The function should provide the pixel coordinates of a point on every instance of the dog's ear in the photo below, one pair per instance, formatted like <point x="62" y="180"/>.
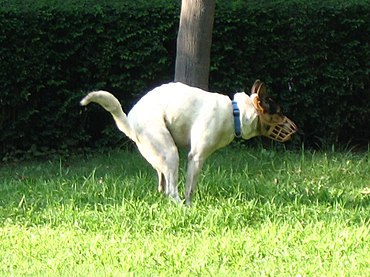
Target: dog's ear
<point x="256" y="86"/>
<point x="263" y="100"/>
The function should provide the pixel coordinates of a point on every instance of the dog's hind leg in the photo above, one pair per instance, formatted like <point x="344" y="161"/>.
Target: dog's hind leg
<point x="161" y="182"/>
<point x="161" y="152"/>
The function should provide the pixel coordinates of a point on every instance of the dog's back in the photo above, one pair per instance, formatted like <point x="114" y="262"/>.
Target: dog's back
<point x="179" y="108"/>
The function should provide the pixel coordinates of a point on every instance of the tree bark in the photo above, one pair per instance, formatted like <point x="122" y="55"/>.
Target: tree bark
<point x="194" y="41"/>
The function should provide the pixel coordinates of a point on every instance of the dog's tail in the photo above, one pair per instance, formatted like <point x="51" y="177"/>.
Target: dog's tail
<point x="112" y="105"/>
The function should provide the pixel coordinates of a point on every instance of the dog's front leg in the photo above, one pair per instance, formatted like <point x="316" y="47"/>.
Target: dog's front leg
<point x="195" y="164"/>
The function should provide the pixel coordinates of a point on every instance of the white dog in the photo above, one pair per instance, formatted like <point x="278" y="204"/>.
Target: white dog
<point x="176" y="114"/>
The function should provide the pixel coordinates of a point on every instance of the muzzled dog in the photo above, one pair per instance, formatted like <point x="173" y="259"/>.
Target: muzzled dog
<point x="176" y="114"/>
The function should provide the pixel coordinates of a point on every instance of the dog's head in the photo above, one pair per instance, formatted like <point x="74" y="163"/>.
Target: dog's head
<point x="273" y="124"/>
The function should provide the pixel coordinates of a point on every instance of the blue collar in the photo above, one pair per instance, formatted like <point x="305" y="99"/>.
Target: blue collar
<point x="236" y="113"/>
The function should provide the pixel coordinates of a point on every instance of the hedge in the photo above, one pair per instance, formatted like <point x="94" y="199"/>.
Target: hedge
<point x="54" y="54"/>
<point x="313" y="56"/>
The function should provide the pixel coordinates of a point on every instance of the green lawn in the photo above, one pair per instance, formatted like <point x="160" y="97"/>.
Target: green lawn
<point x="256" y="213"/>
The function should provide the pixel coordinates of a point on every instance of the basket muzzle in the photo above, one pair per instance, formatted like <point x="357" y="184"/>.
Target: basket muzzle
<point x="281" y="131"/>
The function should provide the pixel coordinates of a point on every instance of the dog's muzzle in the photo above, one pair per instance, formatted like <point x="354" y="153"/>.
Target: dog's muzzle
<point x="281" y="131"/>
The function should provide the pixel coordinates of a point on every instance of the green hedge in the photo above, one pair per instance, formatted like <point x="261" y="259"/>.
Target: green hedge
<point x="54" y="54"/>
<point x="314" y="57"/>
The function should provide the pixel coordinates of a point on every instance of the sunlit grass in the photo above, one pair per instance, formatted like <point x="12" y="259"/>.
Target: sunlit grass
<point x="256" y="213"/>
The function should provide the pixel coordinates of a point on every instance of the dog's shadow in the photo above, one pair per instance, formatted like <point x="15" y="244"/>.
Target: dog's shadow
<point x="275" y="177"/>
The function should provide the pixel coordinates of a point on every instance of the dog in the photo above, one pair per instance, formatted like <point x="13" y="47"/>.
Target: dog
<point x="176" y="115"/>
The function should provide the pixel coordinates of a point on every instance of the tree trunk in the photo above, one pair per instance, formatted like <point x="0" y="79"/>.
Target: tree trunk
<point x="194" y="41"/>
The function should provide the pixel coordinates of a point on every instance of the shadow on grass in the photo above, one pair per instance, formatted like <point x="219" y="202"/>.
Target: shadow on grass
<point x="250" y="177"/>
<point x="289" y="177"/>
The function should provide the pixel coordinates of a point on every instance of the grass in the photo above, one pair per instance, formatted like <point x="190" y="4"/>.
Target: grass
<point x="256" y="213"/>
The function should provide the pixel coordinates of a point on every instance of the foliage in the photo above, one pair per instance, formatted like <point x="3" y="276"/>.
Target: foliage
<point x="314" y="56"/>
<point x="256" y="212"/>
<point x="55" y="54"/>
